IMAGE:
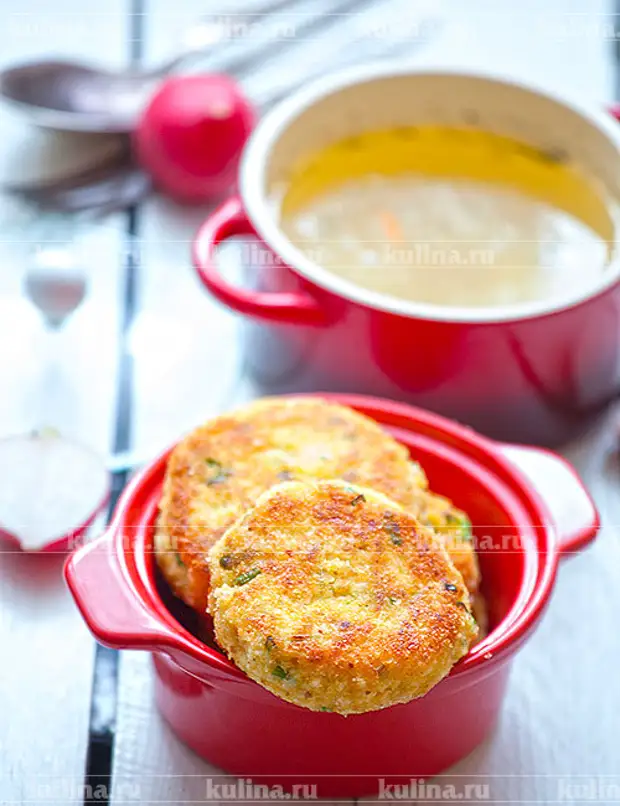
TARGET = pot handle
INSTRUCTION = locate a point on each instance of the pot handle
(286, 307)
(569, 503)
(113, 614)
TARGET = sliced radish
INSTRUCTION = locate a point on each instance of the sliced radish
(51, 489)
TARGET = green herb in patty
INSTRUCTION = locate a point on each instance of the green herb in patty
(218, 472)
(464, 526)
(280, 673)
(393, 529)
(248, 576)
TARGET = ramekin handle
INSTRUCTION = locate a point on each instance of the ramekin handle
(285, 307)
(556, 481)
(113, 614)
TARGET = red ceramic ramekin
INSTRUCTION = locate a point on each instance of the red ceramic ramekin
(242, 728)
(532, 372)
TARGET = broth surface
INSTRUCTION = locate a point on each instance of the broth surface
(449, 217)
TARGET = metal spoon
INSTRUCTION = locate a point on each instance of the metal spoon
(76, 97)
(104, 189)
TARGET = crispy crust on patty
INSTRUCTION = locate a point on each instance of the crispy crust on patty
(170, 564)
(481, 614)
(335, 598)
(218, 471)
(453, 526)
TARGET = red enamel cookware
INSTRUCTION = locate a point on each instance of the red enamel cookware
(528, 508)
(530, 372)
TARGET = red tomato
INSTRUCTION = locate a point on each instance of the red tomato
(191, 134)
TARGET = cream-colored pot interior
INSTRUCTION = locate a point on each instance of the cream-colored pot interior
(351, 103)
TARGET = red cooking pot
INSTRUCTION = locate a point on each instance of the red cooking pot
(528, 507)
(529, 372)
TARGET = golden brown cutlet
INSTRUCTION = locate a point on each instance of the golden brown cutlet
(219, 470)
(336, 599)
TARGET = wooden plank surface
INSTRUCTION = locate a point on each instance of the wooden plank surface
(47, 653)
(539, 737)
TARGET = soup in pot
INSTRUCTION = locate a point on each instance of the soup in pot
(449, 217)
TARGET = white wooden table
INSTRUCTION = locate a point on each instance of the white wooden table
(562, 707)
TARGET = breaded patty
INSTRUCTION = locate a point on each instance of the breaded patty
(336, 599)
(169, 561)
(454, 528)
(218, 471)
(480, 611)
